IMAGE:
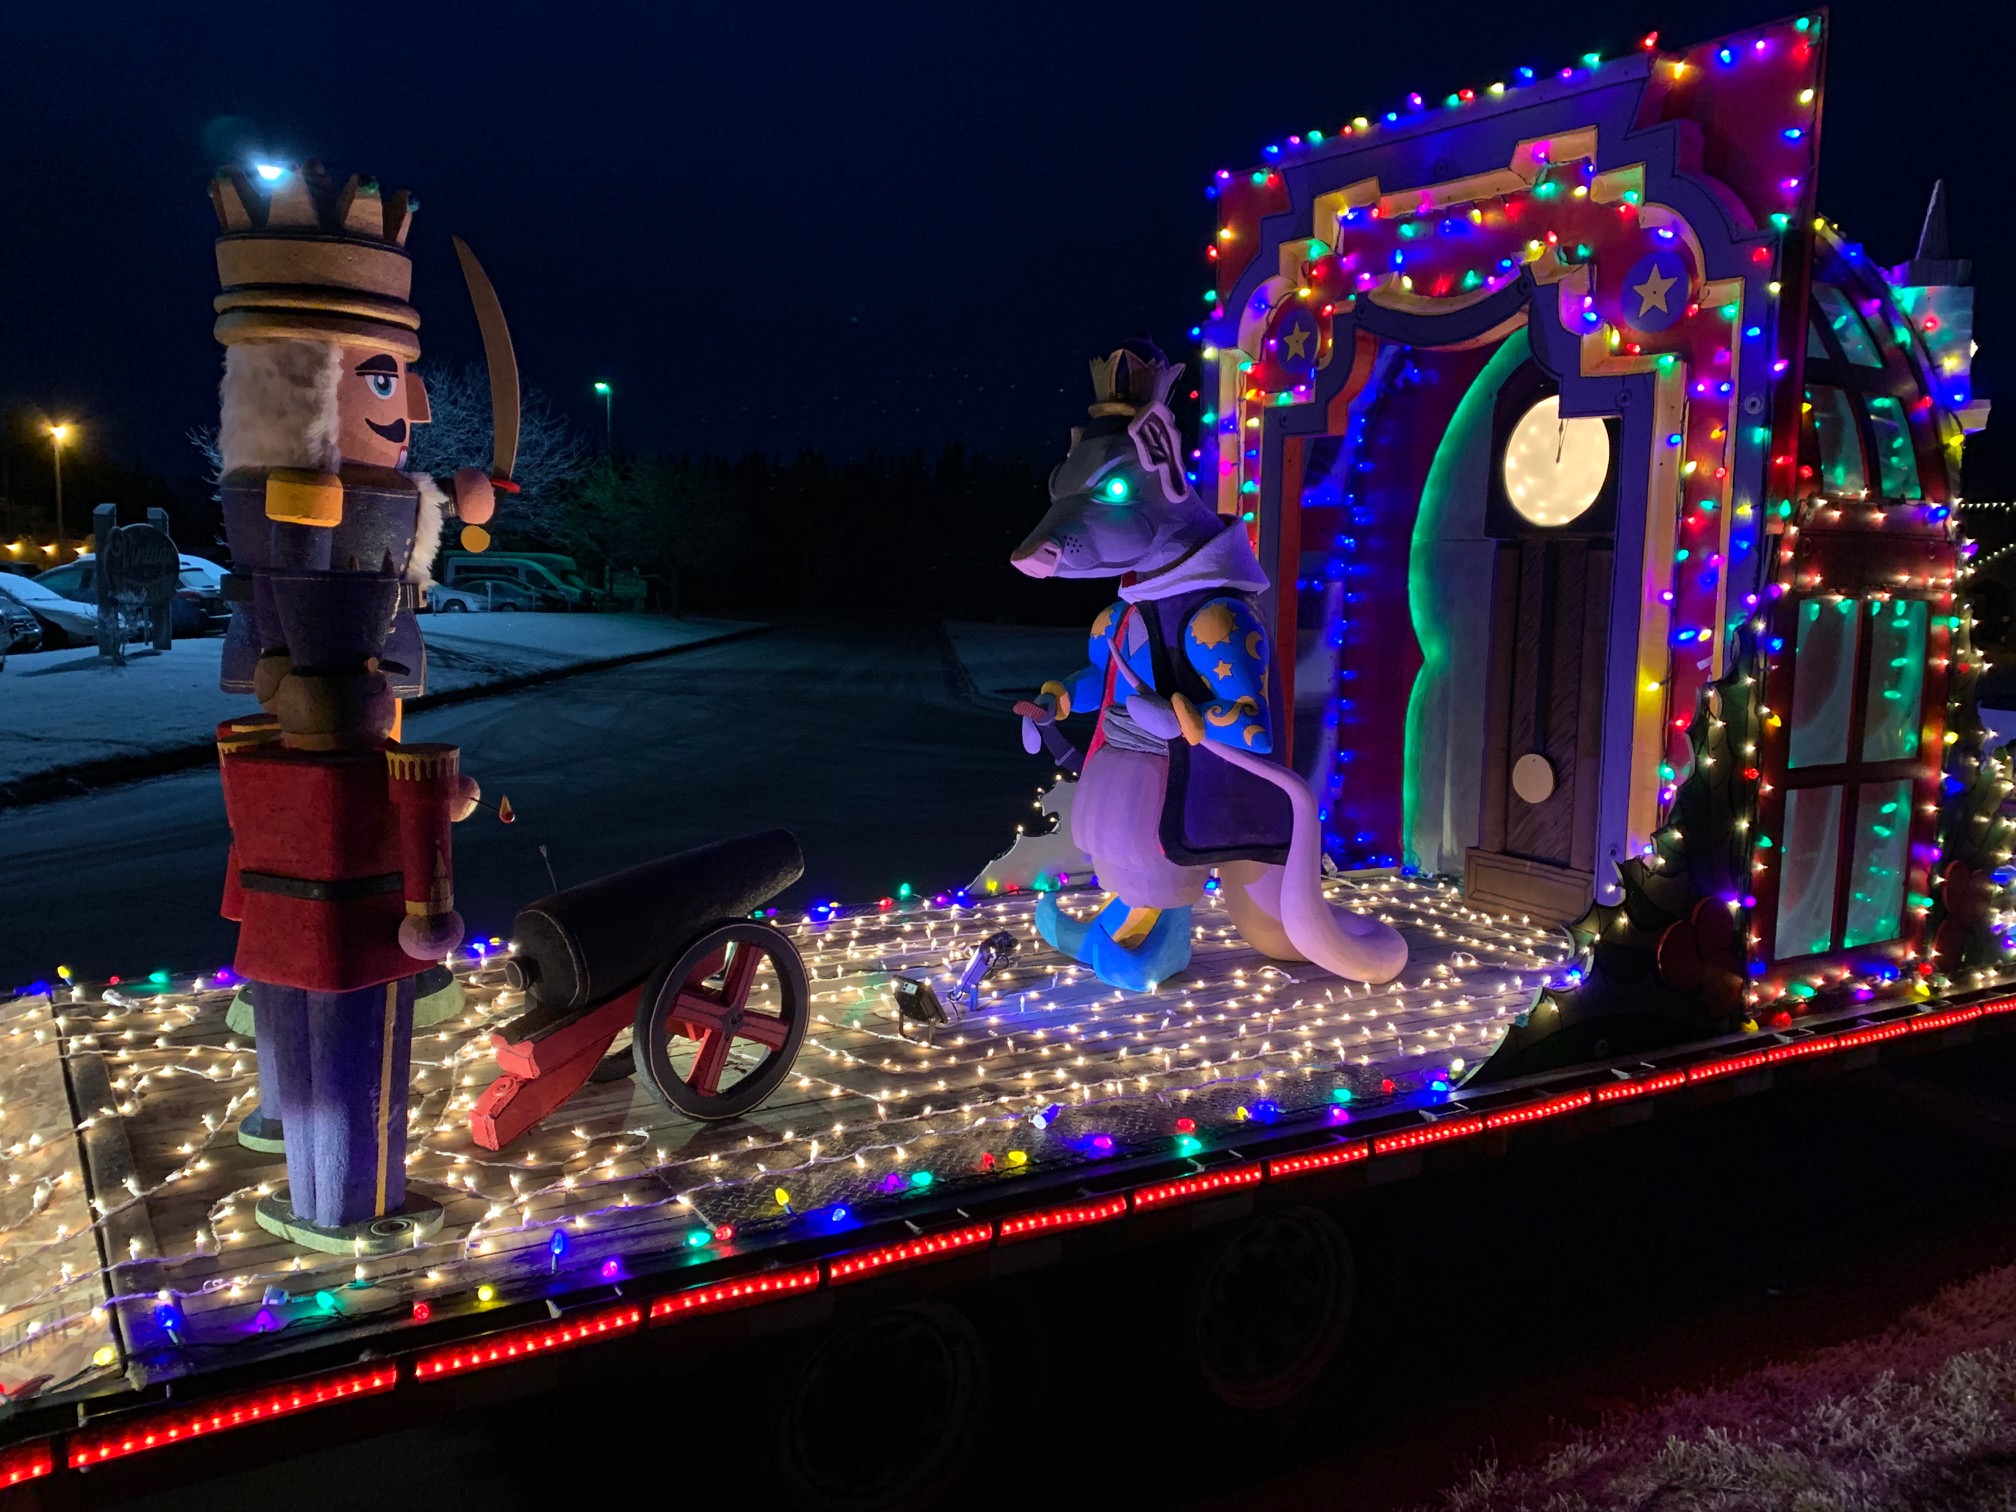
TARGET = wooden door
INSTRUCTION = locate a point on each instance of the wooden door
(1536, 849)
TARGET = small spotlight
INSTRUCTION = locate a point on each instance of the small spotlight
(271, 173)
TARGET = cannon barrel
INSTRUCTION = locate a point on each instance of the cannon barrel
(583, 946)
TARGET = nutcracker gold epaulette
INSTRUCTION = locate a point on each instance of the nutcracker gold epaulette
(299, 497)
(423, 763)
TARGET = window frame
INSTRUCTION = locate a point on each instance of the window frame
(1895, 379)
(1863, 551)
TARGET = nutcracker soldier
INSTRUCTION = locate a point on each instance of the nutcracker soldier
(340, 872)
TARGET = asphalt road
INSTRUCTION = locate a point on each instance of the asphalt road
(859, 741)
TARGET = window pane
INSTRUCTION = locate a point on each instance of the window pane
(1894, 456)
(1840, 441)
(1896, 680)
(1823, 682)
(1847, 326)
(1876, 883)
(1811, 855)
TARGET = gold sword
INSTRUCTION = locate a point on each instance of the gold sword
(503, 365)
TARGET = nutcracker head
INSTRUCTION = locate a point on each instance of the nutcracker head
(319, 337)
(1120, 501)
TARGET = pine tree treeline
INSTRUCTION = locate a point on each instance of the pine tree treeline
(881, 538)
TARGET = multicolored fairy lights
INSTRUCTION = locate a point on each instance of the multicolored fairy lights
(870, 1122)
(1568, 218)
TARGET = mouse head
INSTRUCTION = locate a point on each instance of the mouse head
(1120, 501)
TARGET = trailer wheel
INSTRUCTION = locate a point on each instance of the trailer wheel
(885, 1413)
(716, 1032)
(1272, 1308)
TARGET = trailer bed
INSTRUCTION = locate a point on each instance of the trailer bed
(880, 1152)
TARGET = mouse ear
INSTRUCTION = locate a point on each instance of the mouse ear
(1159, 445)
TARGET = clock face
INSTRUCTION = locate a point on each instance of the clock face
(1554, 468)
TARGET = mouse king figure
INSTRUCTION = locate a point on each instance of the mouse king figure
(339, 875)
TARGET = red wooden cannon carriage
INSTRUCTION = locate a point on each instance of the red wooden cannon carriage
(669, 951)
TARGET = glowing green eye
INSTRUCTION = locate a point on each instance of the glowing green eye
(1116, 490)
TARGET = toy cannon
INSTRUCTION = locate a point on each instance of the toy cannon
(667, 950)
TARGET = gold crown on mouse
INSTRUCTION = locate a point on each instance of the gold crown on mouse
(303, 259)
(1133, 377)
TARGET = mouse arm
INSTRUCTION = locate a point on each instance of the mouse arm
(1227, 645)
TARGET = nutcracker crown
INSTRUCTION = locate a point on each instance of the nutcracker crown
(302, 259)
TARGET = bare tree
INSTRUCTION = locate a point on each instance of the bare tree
(549, 451)
(204, 439)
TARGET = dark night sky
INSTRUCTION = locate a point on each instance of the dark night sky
(840, 225)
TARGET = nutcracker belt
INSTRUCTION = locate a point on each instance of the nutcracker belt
(342, 890)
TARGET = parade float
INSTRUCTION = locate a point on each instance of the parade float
(1579, 723)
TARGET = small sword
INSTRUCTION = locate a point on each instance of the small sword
(503, 365)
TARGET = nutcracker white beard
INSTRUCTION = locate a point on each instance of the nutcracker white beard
(279, 409)
(279, 406)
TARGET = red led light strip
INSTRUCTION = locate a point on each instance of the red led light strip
(1946, 1020)
(1533, 1112)
(868, 1262)
(1643, 1086)
(519, 1344)
(164, 1428)
(728, 1295)
(1735, 1063)
(1802, 1049)
(29, 1462)
(1071, 1215)
(1435, 1133)
(1318, 1160)
(1166, 1193)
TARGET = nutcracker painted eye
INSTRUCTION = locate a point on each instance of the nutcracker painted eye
(380, 375)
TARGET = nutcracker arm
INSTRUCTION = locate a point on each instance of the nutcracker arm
(425, 787)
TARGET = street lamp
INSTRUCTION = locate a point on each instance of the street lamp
(58, 434)
(608, 416)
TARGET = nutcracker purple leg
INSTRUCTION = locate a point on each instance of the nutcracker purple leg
(341, 1062)
(269, 1046)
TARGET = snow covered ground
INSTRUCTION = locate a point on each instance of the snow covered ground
(1007, 662)
(63, 709)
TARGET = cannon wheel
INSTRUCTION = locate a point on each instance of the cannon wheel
(703, 996)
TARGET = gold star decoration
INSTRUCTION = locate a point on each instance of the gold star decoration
(1297, 341)
(1222, 670)
(1652, 293)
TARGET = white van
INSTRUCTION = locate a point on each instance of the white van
(553, 579)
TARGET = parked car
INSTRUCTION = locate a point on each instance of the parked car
(63, 621)
(20, 631)
(554, 578)
(485, 595)
(198, 607)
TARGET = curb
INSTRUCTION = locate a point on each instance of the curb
(114, 771)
